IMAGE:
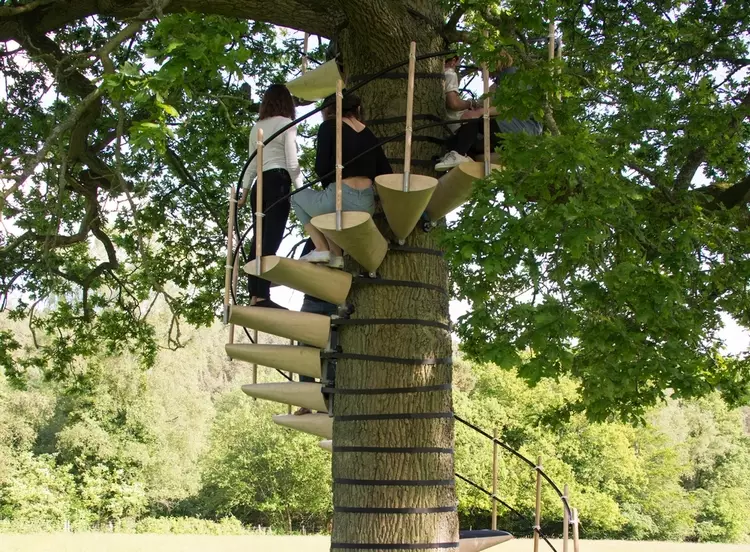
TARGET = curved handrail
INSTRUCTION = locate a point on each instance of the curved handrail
(507, 447)
(508, 506)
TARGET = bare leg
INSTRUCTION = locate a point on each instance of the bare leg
(319, 240)
(335, 249)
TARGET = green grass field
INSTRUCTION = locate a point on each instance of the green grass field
(100, 542)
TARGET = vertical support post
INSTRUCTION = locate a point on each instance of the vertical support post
(538, 510)
(566, 518)
(304, 52)
(259, 206)
(486, 130)
(230, 254)
(255, 366)
(409, 114)
(575, 530)
(494, 479)
(235, 276)
(339, 166)
(289, 409)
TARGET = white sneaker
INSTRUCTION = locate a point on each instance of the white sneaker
(316, 257)
(450, 160)
(336, 262)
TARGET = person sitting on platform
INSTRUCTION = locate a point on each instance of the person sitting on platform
(455, 107)
(280, 169)
(468, 138)
(315, 306)
(357, 177)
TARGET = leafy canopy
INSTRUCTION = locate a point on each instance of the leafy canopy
(606, 249)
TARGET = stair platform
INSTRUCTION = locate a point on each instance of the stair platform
(474, 541)
(305, 327)
(359, 237)
(325, 283)
(404, 209)
(315, 424)
(455, 188)
(288, 358)
(316, 84)
(306, 395)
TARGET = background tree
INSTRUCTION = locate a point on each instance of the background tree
(608, 248)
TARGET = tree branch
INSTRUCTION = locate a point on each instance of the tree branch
(13, 11)
(315, 17)
(63, 127)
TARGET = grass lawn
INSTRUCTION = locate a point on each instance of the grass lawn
(101, 542)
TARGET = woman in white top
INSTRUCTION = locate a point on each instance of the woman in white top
(280, 169)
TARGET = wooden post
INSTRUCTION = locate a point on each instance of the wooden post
(487, 149)
(494, 479)
(339, 166)
(304, 52)
(259, 205)
(409, 114)
(235, 277)
(255, 366)
(575, 530)
(291, 344)
(538, 515)
(230, 254)
(566, 518)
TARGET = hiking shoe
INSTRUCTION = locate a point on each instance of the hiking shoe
(302, 411)
(336, 262)
(317, 257)
(450, 160)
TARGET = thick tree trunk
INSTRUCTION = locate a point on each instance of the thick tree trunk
(369, 45)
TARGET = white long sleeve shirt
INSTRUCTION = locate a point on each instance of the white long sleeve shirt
(280, 153)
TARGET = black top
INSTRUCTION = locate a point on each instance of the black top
(354, 143)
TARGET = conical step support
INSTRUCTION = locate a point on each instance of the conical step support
(326, 445)
(300, 360)
(475, 541)
(319, 281)
(454, 188)
(316, 84)
(315, 424)
(404, 209)
(306, 395)
(359, 237)
(308, 328)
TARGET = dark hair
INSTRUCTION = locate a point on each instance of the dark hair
(277, 102)
(351, 106)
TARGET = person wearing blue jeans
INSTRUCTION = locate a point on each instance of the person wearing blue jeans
(363, 159)
(315, 306)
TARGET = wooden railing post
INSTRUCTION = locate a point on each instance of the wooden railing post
(566, 518)
(538, 511)
(575, 530)
(255, 366)
(494, 479)
(259, 206)
(230, 254)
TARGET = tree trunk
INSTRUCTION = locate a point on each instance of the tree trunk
(369, 45)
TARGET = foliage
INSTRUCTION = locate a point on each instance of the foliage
(262, 474)
(608, 247)
(178, 449)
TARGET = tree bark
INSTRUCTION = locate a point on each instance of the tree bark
(376, 38)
